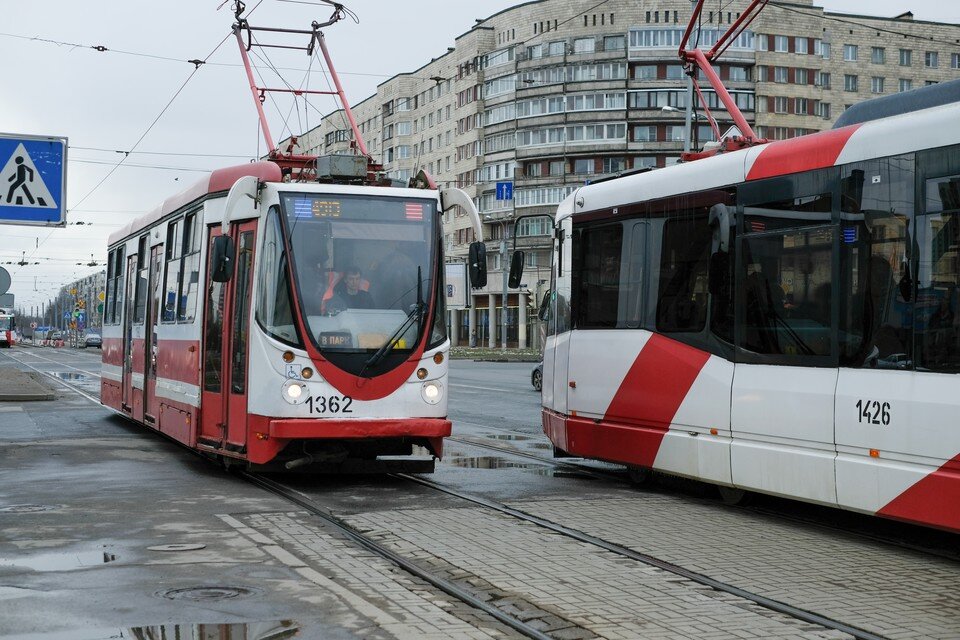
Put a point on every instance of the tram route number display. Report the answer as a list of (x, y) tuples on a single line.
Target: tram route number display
[(329, 404), (873, 412)]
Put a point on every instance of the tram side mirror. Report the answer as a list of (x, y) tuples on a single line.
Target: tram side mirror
[(516, 269), (544, 311), (222, 255), (478, 265)]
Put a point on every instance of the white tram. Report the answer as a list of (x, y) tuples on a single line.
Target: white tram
[(782, 319), (261, 321), (8, 328)]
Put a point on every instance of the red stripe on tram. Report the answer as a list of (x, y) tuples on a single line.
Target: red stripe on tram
[(805, 153), (931, 501)]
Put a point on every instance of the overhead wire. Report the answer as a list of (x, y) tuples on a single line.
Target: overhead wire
[(147, 130)]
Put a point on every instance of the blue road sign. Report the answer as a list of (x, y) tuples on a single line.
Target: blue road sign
[(504, 191), (33, 181)]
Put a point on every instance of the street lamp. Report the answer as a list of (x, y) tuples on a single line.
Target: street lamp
[(503, 268), (688, 115)]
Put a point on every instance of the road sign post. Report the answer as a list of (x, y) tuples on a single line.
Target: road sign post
[(33, 180)]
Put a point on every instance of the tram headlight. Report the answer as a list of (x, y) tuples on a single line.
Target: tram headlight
[(294, 391), (431, 392)]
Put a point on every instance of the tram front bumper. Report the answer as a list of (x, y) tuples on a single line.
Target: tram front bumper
[(333, 429)]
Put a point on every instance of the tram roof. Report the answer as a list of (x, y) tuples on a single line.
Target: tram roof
[(218, 181), (903, 133)]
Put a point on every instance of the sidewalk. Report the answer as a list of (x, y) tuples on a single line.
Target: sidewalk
[(20, 386)]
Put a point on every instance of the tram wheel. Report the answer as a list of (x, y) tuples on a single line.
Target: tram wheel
[(638, 475), (732, 496)]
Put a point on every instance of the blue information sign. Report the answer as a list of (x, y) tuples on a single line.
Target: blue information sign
[(32, 180), (504, 191)]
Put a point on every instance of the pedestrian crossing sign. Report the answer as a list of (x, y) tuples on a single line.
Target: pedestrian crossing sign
[(32, 180)]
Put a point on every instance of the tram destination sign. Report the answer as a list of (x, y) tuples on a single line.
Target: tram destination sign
[(33, 180)]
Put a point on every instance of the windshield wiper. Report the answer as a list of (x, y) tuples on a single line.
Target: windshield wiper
[(415, 315)]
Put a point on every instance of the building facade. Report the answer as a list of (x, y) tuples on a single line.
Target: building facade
[(546, 97)]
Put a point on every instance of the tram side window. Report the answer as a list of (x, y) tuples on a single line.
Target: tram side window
[(241, 328), (274, 306), (140, 291), (111, 287), (877, 219), (171, 276), (785, 283), (596, 276), (114, 309), (190, 268), (684, 264), (937, 324)]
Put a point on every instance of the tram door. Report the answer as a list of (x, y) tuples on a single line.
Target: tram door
[(150, 408), (225, 347), (127, 401)]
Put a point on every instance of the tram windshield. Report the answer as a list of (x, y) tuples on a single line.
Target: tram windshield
[(364, 268), (6, 323)]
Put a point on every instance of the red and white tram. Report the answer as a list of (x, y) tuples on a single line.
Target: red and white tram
[(263, 321), (782, 319), (8, 328)]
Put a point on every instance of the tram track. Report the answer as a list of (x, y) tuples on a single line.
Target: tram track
[(853, 530), (454, 590), (626, 552)]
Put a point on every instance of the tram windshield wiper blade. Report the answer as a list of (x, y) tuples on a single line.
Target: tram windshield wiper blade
[(415, 315)]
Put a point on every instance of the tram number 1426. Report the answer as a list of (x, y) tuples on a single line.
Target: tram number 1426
[(873, 412), (329, 404)]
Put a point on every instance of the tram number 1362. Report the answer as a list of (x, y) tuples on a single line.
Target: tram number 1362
[(873, 412), (329, 404)]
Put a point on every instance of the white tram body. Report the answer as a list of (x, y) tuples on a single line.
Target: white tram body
[(322, 340), (782, 319), (8, 328)]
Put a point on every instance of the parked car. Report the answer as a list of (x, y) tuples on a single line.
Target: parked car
[(536, 378), (55, 335), (92, 339)]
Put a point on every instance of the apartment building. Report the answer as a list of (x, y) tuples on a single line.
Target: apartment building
[(546, 97)]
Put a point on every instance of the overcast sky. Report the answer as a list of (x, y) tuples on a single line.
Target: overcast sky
[(107, 100)]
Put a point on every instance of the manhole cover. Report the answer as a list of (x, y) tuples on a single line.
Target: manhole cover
[(206, 594), (27, 508), (178, 547)]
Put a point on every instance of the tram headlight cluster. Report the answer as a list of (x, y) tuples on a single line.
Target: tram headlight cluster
[(431, 392), (294, 391)]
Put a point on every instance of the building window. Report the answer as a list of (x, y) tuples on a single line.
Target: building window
[(584, 166), (645, 72), (643, 133), (906, 84), (780, 74), (876, 85), (779, 105), (800, 106), (557, 167), (824, 50), (878, 55), (801, 76), (404, 128), (906, 57), (739, 74), (584, 45), (614, 165), (676, 133), (800, 45), (849, 83), (850, 52), (781, 44), (823, 79), (955, 60), (614, 43), (823, 110), (931, 59)]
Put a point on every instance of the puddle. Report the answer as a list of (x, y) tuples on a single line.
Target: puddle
[(207, 593), (276, 630), (60, 561), (494, 462), (70, 376)]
